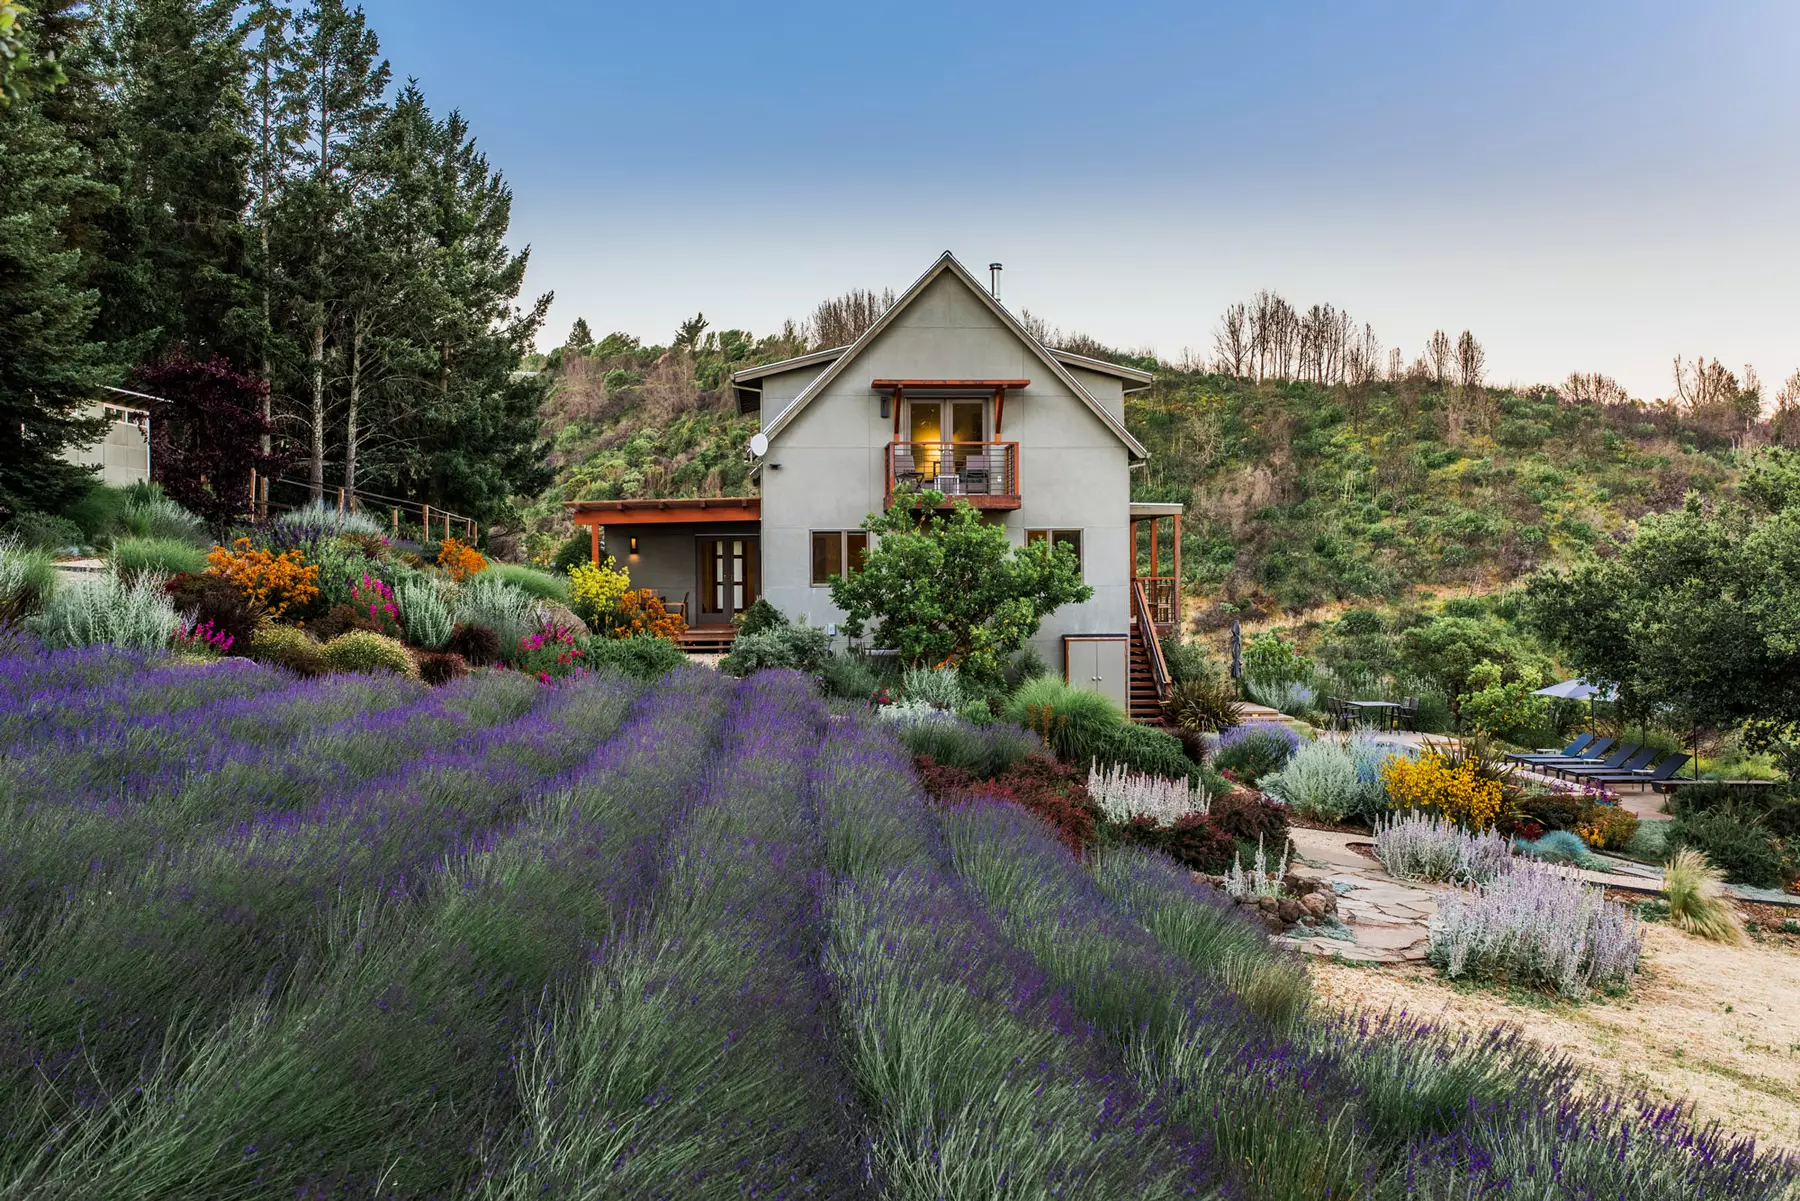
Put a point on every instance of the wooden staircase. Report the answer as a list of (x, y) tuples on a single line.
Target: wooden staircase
[(708, 640), (1144, 702)]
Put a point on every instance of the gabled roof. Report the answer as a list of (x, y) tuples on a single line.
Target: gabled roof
[(1066, 357), (1103, 367), (947, 264), (805, 360)]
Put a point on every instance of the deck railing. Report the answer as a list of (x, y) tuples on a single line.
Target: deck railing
[(985, 473), (1143, 617)]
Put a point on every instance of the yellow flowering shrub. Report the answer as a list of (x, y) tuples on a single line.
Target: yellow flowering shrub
[(459, 561), (1606, 827), (595, 589), (270, 582), (1431, 782)]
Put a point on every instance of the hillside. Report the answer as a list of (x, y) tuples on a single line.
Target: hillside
[(1298, 493)]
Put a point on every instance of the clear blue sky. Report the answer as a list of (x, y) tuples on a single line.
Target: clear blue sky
[(1587, 186)]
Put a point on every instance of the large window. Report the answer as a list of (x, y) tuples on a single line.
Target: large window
[(1068, 538), (835, 551)]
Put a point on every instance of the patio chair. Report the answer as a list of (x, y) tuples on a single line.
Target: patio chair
[(976, 475), (1568, 752), (1630, 758), (1590, 755), (1407, 714), (906, 467), (1664, 770)]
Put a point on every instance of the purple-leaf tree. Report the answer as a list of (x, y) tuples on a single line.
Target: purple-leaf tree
[(206, 434)]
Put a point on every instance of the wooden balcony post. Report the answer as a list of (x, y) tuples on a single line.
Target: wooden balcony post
[(1177, 601), (1155, 537), (594, 543)]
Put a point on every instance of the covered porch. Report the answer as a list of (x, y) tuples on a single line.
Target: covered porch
[(702, 556), (1155, 602)]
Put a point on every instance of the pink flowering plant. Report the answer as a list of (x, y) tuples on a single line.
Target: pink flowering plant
[(553, 653), (202, 639), (376, 600)]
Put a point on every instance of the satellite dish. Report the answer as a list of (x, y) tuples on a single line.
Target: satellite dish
[(759, 444)]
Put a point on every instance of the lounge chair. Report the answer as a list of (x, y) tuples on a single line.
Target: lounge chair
[(1571, 751), (1590, 755), (1631, 758), (1667, 768), (906, 469)]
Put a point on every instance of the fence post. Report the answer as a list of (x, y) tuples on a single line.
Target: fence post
[(474, 532), (396, 523), (425, 523), (446, 524), (340, 500), (253, 492)]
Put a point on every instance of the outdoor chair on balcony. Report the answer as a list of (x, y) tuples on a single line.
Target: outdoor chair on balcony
[(906, 468), (977, 478)]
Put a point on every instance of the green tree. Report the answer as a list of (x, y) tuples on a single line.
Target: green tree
[(1447, 651), (51, 366), (175, 245), (580, 336), (950, 588), (1698, 615), (21, 72)]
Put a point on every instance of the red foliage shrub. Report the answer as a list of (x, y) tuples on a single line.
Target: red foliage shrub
[(1195, 841), (213, 599), (1246, 814), (440, 667), (1053, 791), (477, 645)]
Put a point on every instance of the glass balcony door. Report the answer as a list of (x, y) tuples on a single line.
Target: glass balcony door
[(945, 434), (730, 578)]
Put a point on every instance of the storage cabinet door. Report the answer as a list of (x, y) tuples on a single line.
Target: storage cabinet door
[(1082, 664), (1098, 665)]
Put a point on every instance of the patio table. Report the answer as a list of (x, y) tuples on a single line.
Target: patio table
[(1389, 710)]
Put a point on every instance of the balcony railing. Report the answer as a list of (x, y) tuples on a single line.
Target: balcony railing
[(986, 474)]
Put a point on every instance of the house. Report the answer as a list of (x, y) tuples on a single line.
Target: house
[(122, 453), (947, 390)]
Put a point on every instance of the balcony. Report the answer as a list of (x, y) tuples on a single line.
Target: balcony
[(986, 474)]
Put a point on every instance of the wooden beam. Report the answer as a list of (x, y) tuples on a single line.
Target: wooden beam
[(1178, 573), (594, 543), (999, 410), (983, 385), (899, 395)]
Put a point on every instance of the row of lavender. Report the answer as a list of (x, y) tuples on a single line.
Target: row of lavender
[(264, 937)]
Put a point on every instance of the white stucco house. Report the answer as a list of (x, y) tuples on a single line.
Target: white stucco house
[(950, 391)]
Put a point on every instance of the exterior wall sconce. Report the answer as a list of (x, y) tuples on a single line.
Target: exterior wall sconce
[(887, 405), (634, 545)]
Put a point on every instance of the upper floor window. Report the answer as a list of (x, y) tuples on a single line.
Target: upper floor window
[(836, 551), (1068, 538)]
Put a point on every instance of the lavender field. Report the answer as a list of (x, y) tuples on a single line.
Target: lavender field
[(354, 937)]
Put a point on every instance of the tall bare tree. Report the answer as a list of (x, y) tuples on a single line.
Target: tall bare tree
[(1439, 355), (843, 319), (1593, 388), (1784, 422), (1231, 342), (1471, 362)]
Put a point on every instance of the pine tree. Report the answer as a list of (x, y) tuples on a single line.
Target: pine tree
[(580, 336), (332, 86), (51, 367), (178, 157)]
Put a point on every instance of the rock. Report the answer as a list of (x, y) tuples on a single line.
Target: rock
[(1289, 910), (1266, 904), (1315, 904), (561, 615), (1294, 886)]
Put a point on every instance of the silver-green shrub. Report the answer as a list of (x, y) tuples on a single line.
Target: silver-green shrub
[(1417, 847), (423, 612), (317, 515), (1333, 779), (105, 610), (1537, 926), (493, 604), (940, 687), (151, 514)]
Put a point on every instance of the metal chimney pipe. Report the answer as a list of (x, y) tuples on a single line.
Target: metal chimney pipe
[(994, 280)]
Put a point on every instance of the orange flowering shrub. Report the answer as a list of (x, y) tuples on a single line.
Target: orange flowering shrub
[(270, 582), (459, 561), (642, 612)]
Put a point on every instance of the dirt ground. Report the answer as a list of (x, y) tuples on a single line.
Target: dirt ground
[(1716, 1025)]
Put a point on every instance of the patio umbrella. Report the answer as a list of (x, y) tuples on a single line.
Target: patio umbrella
[(1579, 689)]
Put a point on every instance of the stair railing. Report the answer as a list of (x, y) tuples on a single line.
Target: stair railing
[(1146, 630)]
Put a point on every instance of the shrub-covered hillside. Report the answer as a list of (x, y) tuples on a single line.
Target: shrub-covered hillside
[(1299, 494)]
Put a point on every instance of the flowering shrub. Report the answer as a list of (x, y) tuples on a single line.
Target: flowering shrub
[(1123, 795), (1259, 881), (376, 610), (1432, 782), (365, 650), (458, 561), (1537, 926), (1607, 827), (551, 654), (1195, 841), (1421, 847), (642, 612), (272, 583), (595, 589), (1255, 749), (200, 638)]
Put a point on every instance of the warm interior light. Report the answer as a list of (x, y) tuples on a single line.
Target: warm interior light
[(634, 544)]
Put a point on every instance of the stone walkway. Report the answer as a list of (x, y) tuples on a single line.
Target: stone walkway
[(1387, 917)]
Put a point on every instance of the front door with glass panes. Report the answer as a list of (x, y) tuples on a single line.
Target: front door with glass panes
[(944, 434), (730, 578)]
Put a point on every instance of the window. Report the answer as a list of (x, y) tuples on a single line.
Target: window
[(832, 549), (1068, 538)]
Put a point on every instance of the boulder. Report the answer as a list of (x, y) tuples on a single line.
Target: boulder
[(1316, 904), (1289, 910)]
